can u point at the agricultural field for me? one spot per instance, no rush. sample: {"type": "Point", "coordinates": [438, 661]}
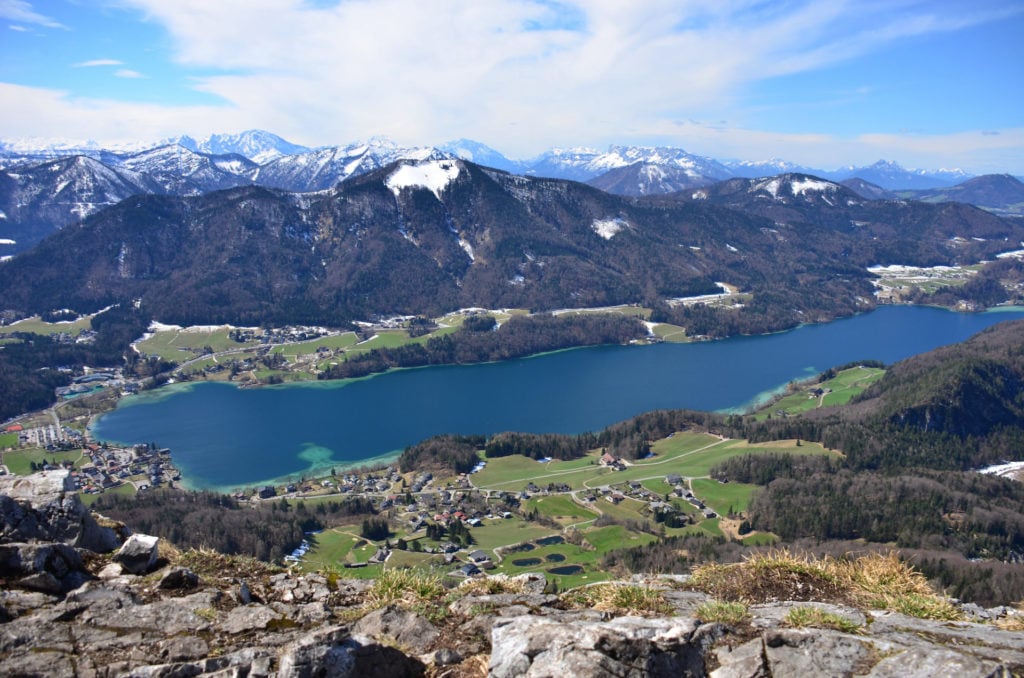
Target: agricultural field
{"type": "Point", "coordinates": [517, 545]}
{"type": "Point", "coordinates": [334, 342]}
{"type": "Point", "coordinates": [896, 281]}
{"type": "Point", "coordinates": [673, 333]}
{"type": "Point", "coordinates": [19, 462]}
{"type": "Point", "coordinates": [724, 498]}
{"type": "Point", "coordinates": [561, 508]}
{"type": "Point", "coordinates": [178, 345]}
{"type": "Point", "coordinates": [35, 325]}
{"type": "Point", "coordinates": [125, 489]}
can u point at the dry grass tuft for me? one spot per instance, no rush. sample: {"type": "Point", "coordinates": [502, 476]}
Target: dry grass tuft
{"type": "Point", "coordinates": [725, 612]}
{"type": "Point", "coordinates": [619, 599]}
{"type": "Point", "coordinates": [771, 576]}
{"type": "Point", "coordinates": [817, 618]}
{"type": "Point", "coordinates": [211, 565]}
{"type": "Point", "coordinates": [880, 581]}
{"type": "Point", "coordinates": [408, 588]}
{"type": "Point", "coordinates": [1014, 622]}
{"type": "Point", "coordinates": [486, 586]}
{"type": "Point", "coordinates": [882, 575]}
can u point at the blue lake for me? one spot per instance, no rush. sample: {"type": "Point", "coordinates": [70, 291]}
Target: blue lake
{"type": "Point", "coordinates": [222, 436]}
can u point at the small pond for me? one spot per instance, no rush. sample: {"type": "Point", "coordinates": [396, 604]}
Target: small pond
{"type": "Point", "coordinates": [548, 541]}
{"type": "Point", "coordinates": [566, 569]}
{"type": "Point", "coordinates": [526, 562]}
{"type": "Point", "coordinates": [520, 548]}
{"type": "Point", "coordinates": [555, 557]}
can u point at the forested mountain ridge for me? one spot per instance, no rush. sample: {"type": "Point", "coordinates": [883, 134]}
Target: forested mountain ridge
{"type": "Point", "coordinates": [957, 407]}
{"type": "Point", "coordinates": [430, 236]}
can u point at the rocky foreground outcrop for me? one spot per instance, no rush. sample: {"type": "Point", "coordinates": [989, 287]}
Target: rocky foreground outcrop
{"type": "Point", "coordinates": [201, 613]}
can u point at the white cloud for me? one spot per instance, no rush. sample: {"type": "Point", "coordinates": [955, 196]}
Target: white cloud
{"type": "Point", "coordinates": [36, 112]}
{"type": "Point", "coordinates": [517, 73]}
{"type": "Point", "coordinates": [98, 62]}
{"type": "Point", "coordinates": [19, 10]}
{"type": "Point", "coordinates": [128, 73]}
{"type": "Point", "coordinates": [520, 75]}
{"type": "Point", "coordinates": [16, 27]}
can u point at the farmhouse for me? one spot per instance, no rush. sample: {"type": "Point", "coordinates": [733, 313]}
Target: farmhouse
{"type": "Point", "coordinates": [480, 559]}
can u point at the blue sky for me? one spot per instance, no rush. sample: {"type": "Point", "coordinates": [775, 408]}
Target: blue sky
{"type": "Point", "coordinates": [925, 83]}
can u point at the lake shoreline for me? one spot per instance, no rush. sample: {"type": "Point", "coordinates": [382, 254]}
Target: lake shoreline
{"type": "Point", "coordinates": [566, 391]}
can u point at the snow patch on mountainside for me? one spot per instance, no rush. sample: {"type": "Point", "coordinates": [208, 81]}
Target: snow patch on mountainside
{"type": "Point", "coordinates": [771, 186]}
{"type": "Point", "coordinates": [433, 176]}
{"type": "Point", "coordinates": [801, 185]}
{"type": "Point", "coordinates": [607, 228]}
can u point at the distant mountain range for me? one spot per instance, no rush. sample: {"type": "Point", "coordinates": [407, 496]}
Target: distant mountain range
{"type": "Point", "coordinates": [428, 235]}
{"type": "Point", "coordinates": [47, 185]}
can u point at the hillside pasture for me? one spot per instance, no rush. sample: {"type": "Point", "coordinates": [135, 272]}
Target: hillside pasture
{"type": "Point", "coordinates": [723, 498]}
{"type": "Point", "coordinates": [837, 391]}
{"type": "Point", "coordinates": [560, 508]}
{"type": "Point", "coordinates": [35, 325]}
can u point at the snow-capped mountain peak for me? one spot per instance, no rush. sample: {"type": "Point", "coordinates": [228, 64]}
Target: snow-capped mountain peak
{"type": "Point", "coordinates": [256, 145]}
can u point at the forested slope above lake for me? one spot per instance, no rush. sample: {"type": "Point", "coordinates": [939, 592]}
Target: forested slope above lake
{"type": "Point", "coordinates": [378, 245]}
{"type": "Point", "coordinates": [958, 407]}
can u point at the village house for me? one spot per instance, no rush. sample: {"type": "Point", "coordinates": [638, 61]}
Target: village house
{"type": "Point", "coordinates": [481, 559]}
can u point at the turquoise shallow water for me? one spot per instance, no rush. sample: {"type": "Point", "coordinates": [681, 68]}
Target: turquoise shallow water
{"type": "Point", "coordinates": [222, 436]}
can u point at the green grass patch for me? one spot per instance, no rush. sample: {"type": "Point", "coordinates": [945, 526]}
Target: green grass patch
{"type": "Point", "coordinates": [627, 509]}
{"type": "Point", "coordinates": [561, 508]}
{"type": "Point", "coordinates": [840, 390]}
{"type": "Point", "coordinates": [704, 527]}
{"type": "Point", "coordinates": [122, 490]}
{"type": "Point", "coordinates": [724, 498]}
{"type": "Point", "coordinates": [19, 462]}
{"type": "Point", "coordinates": [815, 617]}
{"type": "Point", "coordinates": [333, 548]}
{"type": "Point", "coordinates": [673, 333]}
{"type": "Point", "coordinates": [384, 339]}
{"type": "Point", "coordinates": [191, 342]}
{"type": "Point", "coordinates": [611, 537]}
{"type": "Point", "coordinates": [341, 341]}
{"type": "Point", "coordinates": [493, 534]}
{"type": "Point", "coordinates": [8, 440]}
{"type": "Point", "coordinates": [725, 612]}
{"type": "Point", "coordinates": [760, 539]}
{"type": "Point", "coordinates": [35, 325]}
{"type": "Point", "coordinates": [515, 471]}
{"type": "Point", "coordinates": [658, 486]}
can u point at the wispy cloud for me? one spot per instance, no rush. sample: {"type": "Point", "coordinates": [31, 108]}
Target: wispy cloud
{"type": "Point", "coordinates": [523, 75]}
{"type": "Point", "coordinates": [98, 62]}
{"type": "Point", "coordinates": [16, 27]}
{"type": "Point", "coordinates": [19, 10]}
{"type": "Point", "coordinates": [529, 73]}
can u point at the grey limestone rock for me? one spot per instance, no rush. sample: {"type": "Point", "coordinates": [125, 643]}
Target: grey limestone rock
{"type": "Point", "coordinates": [393, 625]}
{"type": "Point", "coordinates": [138, 555]}
{"type": "Point", "coordinates": [49, 568]}
{"type": "Point", "coordinates": [474, 604]}
{"type": "Point", "coordinates": [177, 578]}
{"type": "Point", "coordinates": [815, 652]}
{"type": "Point", "coordinates": [625, 646]}
{"type": "Point", "coordinates": [746, 660]}
{"type": "Point", "coordinates": [43, 507]}
{"type": "Point", "coordinates": [932, 661]}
